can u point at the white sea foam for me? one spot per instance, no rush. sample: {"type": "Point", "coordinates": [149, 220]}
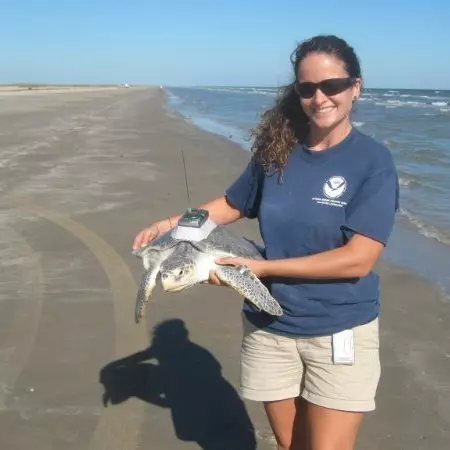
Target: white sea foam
{"type": "Point", "coordinates": [244, 90]}
{"type": "Point", "coordinates": [396, 103]}
{"type": "Point", "coordinates": [405, 182]}
{"type": "Point", "coordinates": [439, 103]}
{"type": "Point", "coordinates": [173, 99]}
{"type": "Point", "coordinates": [426, 229]}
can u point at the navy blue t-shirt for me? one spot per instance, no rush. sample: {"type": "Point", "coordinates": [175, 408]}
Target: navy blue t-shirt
{"type": "Point", "coordinates": [325, 197]}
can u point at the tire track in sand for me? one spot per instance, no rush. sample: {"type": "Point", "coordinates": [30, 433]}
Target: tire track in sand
{"type": "Point", "coordinates": [24, 323]}
{"type": "Point", "coordinates": [118, 427]}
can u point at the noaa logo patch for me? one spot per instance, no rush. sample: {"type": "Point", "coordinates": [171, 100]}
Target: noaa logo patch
{"type": "Point", "coordinates": [335, 187]}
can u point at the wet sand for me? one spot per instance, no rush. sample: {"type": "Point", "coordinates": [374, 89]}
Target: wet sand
{"type": "Point", "coordinates": [81, 173]}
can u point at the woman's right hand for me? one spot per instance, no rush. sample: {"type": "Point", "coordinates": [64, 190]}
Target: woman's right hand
{"type": "Point", "coordinates": [147, 235]}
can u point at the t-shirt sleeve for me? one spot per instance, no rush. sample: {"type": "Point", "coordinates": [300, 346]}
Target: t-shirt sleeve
{"type": "Point", "coordinates": [244, 194]}
{"type": "Point", "coordinates": [372, 211]}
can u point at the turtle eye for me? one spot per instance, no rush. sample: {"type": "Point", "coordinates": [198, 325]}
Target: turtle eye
{"type": "Point", "coordinates": [179, 273]}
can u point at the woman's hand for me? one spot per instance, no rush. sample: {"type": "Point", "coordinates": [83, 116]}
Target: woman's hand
{"type": "Point", "coordinates": [258, 267]}
{"type": "Point", "coordinates": [154, 231]}
{"type": "Point", "coordinates": [147, 235]}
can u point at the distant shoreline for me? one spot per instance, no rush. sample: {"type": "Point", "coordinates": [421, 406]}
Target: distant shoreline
{"type": "Point", "coordinates": [30, 88]}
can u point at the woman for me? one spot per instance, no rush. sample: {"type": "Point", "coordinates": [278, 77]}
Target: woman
{"type": "Point", "coordinates": [325, 196]}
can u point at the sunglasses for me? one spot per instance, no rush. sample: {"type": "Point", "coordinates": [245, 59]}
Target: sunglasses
{"type": "Point", "coordinates": [330, 87]}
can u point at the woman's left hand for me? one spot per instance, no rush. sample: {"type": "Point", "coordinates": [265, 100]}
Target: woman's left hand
{"type": "Point", "coordinates": [257, 266]}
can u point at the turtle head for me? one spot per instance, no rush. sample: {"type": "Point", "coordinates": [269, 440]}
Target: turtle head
{"type": "Point", "coordinates": [178, 273]}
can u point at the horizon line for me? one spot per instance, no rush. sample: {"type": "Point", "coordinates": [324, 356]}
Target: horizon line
{"type": "Point", "coordinates": [34, 84]}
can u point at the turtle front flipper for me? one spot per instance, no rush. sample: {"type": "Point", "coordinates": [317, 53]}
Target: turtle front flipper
{"type": "Point", "coordinates": [244, 281]}
{"type": "Point", "coordinates": [146, 286]}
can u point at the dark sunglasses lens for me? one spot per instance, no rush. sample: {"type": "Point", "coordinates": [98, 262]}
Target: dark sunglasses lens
{"type": "Point", "coordinates": [335, 86]}
{"type": "Point", "coordinates": [306, 89]}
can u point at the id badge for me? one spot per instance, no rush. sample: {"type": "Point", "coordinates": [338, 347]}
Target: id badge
{"type": "Point", "coordinates": [343, 348]}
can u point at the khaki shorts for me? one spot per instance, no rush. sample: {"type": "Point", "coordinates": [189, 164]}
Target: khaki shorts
{"type": "Point", "coordinates": [276, 367]}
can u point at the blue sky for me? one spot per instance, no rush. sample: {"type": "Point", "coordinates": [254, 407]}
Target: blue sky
{"type": "Point", "coordinates": [401, 44]}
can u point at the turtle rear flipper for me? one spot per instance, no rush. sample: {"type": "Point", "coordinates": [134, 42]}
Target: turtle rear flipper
{"type": "Point", "coordinates": [146, 286]}
{"type": "Point", "coordinates": [242, 280]}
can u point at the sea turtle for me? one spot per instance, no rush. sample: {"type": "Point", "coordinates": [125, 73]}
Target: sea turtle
{"type": "Point", "coordinates": [181, 263]}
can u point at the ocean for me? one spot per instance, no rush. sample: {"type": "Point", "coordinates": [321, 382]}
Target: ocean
{"type": "Point", "coordinates": [413, 124]}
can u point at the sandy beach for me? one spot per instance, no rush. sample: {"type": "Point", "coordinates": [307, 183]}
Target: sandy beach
{"type": "Point", "coordinates": [32, 89]}
{"type": "Point", "coordinates": [80, 173]}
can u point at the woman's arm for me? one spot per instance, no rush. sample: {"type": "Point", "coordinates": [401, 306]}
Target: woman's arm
{"type": "Point", "coordinates": [220, 212]}
{"type": "Point", "coordinates": [354, 260]}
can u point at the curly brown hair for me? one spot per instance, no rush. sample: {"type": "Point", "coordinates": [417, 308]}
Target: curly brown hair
{"type": "Point", "coordinates": [285, 124]}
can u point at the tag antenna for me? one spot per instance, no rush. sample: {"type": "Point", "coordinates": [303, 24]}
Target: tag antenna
{"type": "Point", "coordinates": [185, 178]}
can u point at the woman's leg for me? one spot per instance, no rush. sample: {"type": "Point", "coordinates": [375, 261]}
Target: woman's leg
{"type": "Point", "coordinates": [281, 415]}
{"type": "Point", "coordinates": [330, 429]}
{"type": "Point", "coordinates": [287, 419]}
{"type": "Point", "coordinates": [299, 425]}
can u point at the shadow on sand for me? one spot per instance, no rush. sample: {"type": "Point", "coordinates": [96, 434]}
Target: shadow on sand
{"type": "Point", "coordinates": [187, 379]}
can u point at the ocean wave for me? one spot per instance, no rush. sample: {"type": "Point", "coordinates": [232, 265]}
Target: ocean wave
{"type": "Point", "coordinates": [409, 178]}
{"type": "Point", "coordinates": [391, 103]}
{"type": "Point", "coordinates": [426, 229]}
{"type": "Point", "coordinates": [272, 92]}
{"type": "Point", "coordinates": [396, 98]}
{"type": "Point", "coordinates": [430, 155]}
{"type": "Point", "coordinates": [358, 124]}
{"type": "Point", "coordinates": [173, 99]}
{"type": "Point", "coordinates": [407, 181]}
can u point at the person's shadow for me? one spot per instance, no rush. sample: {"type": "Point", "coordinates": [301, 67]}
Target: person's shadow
{"type": "Point", "coordinates": [187, 379]}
